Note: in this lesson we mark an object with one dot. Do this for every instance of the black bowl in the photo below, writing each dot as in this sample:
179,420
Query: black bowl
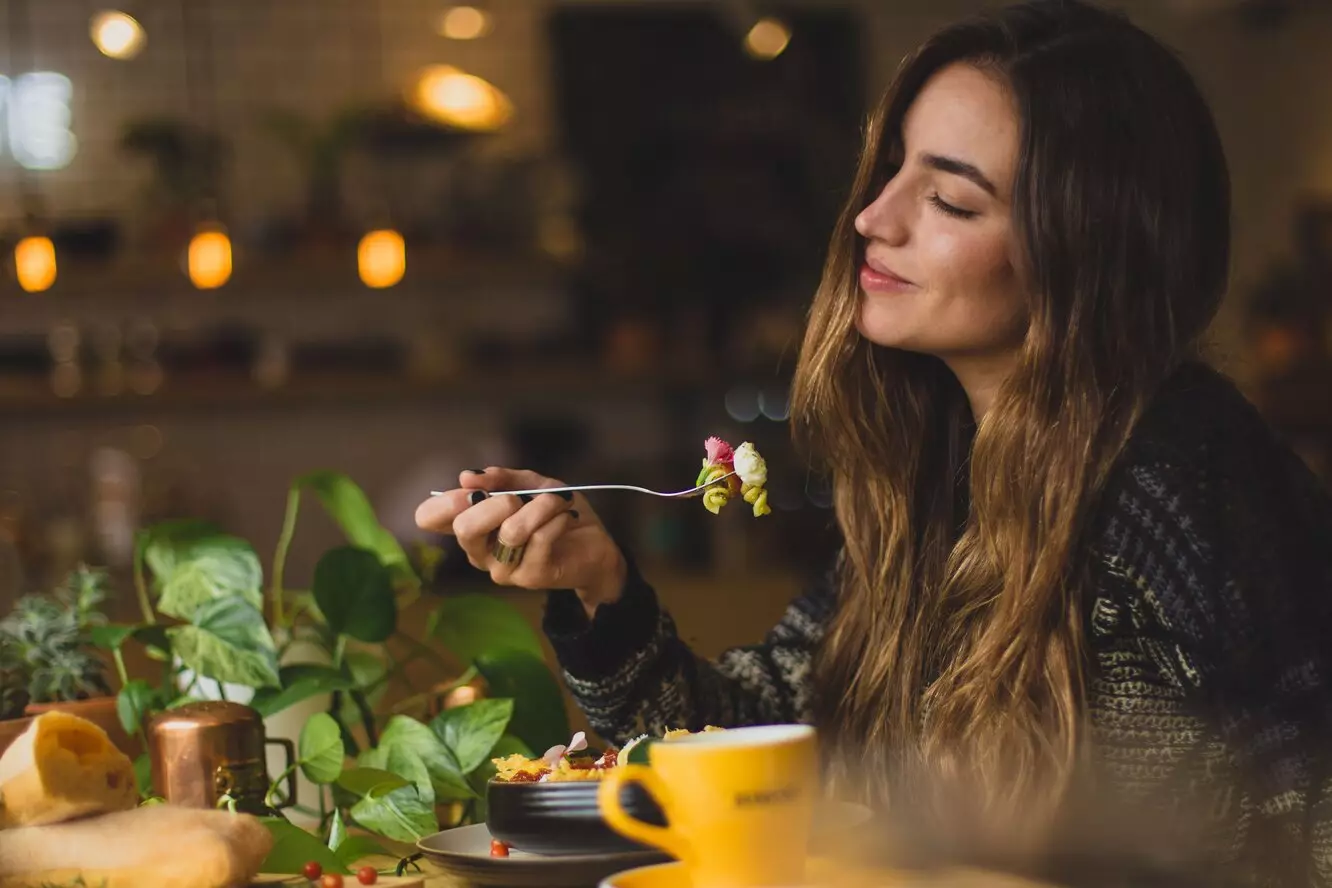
563,818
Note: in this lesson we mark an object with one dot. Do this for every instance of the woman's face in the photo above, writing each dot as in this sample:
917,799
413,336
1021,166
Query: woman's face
937,269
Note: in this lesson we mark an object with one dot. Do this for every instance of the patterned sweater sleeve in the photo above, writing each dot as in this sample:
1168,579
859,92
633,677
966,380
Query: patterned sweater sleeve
630,672
1226,559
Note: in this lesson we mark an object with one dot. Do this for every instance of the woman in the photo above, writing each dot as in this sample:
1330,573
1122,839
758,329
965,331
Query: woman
1075,561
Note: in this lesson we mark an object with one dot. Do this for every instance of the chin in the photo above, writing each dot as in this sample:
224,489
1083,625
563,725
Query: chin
884,332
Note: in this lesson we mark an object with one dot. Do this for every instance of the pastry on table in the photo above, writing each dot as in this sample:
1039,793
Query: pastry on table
156,846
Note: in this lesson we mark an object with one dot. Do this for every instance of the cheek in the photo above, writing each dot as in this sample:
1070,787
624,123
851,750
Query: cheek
973,272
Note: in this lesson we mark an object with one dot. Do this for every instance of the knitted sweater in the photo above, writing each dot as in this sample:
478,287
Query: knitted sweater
1209,623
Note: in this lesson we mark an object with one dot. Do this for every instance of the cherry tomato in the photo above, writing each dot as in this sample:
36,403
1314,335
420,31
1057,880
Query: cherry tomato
331,880
367,875
312,870
498,848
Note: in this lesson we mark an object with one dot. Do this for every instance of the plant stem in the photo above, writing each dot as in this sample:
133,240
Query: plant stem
280,555
141,587
367,717
120,667
339,650
348,739
222,692
323,809
276,784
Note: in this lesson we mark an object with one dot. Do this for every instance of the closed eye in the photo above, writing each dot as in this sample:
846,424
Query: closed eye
949,210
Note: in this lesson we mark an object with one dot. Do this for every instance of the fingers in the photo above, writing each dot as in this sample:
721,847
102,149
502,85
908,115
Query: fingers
500,478
519,527
437,514
539,568
476,526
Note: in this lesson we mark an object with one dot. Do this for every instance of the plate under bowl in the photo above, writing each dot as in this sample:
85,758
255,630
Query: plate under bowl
563,818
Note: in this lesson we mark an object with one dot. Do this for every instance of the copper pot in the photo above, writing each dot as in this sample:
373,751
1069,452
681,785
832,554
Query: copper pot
201,752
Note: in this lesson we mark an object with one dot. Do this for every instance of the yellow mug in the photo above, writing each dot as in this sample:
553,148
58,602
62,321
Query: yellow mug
738,803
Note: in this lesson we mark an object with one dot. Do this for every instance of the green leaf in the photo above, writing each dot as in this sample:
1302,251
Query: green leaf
403,761
367,671
232,570
229,642
143,775
111,636
355,594
321,751
293,847
639,754
471,731
364,780
474,624
233,567
337,832
445,774
135,700
400,815
300,681
539,717
164,543
358,847
350,508
154,638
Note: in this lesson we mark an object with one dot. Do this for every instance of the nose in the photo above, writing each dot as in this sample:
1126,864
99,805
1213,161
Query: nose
883,219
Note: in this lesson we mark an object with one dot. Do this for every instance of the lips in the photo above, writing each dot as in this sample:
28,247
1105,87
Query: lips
878,278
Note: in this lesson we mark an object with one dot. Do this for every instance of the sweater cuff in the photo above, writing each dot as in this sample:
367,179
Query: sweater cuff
599,648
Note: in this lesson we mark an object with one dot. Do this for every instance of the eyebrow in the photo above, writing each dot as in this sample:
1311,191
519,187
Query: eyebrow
959,168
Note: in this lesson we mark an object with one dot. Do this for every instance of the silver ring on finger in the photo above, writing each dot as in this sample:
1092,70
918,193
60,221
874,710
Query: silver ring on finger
505,554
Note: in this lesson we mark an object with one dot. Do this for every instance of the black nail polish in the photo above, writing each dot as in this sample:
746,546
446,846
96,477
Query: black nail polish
476,496
566,495
573,513
525,497
475,471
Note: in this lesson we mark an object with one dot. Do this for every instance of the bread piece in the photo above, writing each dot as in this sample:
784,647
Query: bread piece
158,846
60,768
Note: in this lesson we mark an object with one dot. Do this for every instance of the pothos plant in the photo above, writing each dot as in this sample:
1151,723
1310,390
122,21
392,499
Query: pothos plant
207,613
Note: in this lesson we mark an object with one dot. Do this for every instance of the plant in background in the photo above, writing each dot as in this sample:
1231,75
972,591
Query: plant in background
49,640
211,586
13,682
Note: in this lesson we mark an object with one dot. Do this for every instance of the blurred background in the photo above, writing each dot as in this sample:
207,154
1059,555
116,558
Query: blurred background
246,239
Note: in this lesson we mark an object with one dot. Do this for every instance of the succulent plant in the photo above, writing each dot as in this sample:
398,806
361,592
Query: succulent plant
14,675
46,638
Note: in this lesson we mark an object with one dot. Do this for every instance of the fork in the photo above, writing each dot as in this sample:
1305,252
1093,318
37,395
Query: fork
679,494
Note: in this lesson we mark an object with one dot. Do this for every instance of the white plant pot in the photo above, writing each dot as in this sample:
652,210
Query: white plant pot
286,724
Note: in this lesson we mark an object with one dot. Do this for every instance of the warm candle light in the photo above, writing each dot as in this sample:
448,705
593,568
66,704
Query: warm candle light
381,258
767,39
35,263
117,35
462,100
209,259
464,23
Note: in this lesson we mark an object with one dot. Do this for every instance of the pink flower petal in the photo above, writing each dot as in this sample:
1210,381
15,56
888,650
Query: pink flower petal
718,451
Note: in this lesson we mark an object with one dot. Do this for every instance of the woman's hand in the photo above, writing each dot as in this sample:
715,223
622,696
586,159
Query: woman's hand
550,541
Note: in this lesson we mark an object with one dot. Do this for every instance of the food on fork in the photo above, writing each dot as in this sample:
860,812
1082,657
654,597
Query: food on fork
749,480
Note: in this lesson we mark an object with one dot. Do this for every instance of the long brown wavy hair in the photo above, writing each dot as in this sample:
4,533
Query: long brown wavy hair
958,649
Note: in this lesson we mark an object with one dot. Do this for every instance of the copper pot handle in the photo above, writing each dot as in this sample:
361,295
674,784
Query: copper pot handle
289,769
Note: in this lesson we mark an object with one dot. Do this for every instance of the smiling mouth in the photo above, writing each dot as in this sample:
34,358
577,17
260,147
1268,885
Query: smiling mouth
876,278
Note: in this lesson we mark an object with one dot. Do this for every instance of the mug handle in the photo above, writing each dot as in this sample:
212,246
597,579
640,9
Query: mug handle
608,799
290,749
